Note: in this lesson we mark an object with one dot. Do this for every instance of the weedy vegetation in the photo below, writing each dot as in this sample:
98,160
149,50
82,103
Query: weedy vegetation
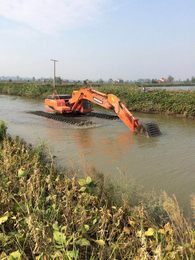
180,102
3,129
46,214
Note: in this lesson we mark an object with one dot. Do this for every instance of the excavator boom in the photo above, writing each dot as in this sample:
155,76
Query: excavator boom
110,101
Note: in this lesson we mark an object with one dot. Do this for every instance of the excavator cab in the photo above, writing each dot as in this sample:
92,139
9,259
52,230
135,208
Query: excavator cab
60,104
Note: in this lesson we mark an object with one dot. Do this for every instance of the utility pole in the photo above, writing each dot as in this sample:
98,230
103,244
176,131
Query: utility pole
54,77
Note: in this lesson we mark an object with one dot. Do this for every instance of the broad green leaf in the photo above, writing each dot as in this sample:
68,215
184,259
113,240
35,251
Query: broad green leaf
86,227
48,198
59,237
186,245
4,239
94,221
162,231
73,254
81,182
57,179
100,242
4,218
149,232
14,256
55,226
83,242
88,180
82,188
21,173
53,206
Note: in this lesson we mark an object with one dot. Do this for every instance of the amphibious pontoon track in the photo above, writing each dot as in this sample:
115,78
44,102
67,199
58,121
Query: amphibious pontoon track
147,129
104,116
67,119
76,119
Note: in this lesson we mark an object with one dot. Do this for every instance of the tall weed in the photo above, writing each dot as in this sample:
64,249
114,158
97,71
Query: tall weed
46,214
3,129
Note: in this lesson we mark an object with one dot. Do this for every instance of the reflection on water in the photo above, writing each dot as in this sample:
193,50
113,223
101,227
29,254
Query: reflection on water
108,146
175,87
165,162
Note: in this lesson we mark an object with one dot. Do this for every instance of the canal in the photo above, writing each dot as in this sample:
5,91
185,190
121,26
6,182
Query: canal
163,163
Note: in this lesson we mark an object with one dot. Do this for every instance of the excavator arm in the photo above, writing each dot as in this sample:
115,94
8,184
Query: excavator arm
109,101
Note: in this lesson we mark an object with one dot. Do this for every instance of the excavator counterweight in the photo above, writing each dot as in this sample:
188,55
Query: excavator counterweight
80,102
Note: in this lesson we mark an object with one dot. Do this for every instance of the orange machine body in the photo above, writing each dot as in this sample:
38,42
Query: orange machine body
60,104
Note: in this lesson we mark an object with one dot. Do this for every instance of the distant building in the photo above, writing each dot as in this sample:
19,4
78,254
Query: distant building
163,80
65,81
45,80
159,81
118,81
88,81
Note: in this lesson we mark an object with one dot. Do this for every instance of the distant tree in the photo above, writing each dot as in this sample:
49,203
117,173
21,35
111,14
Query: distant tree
50,80
170,78
193,80
58,80
33,79
148,81
110,80
10,80
153,81
101,81
187,80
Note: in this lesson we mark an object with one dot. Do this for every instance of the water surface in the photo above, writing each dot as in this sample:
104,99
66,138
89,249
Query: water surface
166,162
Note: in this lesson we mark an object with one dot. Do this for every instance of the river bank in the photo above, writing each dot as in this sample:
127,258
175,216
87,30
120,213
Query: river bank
45,213
170,102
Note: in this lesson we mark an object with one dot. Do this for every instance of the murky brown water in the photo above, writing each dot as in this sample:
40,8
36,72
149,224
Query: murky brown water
166,162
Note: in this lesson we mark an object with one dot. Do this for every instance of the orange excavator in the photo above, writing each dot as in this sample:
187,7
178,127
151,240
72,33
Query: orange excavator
80,102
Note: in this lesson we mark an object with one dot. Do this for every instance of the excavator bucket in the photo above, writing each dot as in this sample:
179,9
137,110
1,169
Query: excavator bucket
148,130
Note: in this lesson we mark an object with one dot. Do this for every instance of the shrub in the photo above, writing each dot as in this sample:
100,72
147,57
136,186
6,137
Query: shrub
3,129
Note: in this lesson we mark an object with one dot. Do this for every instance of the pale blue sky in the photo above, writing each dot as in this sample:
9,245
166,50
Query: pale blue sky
95,39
